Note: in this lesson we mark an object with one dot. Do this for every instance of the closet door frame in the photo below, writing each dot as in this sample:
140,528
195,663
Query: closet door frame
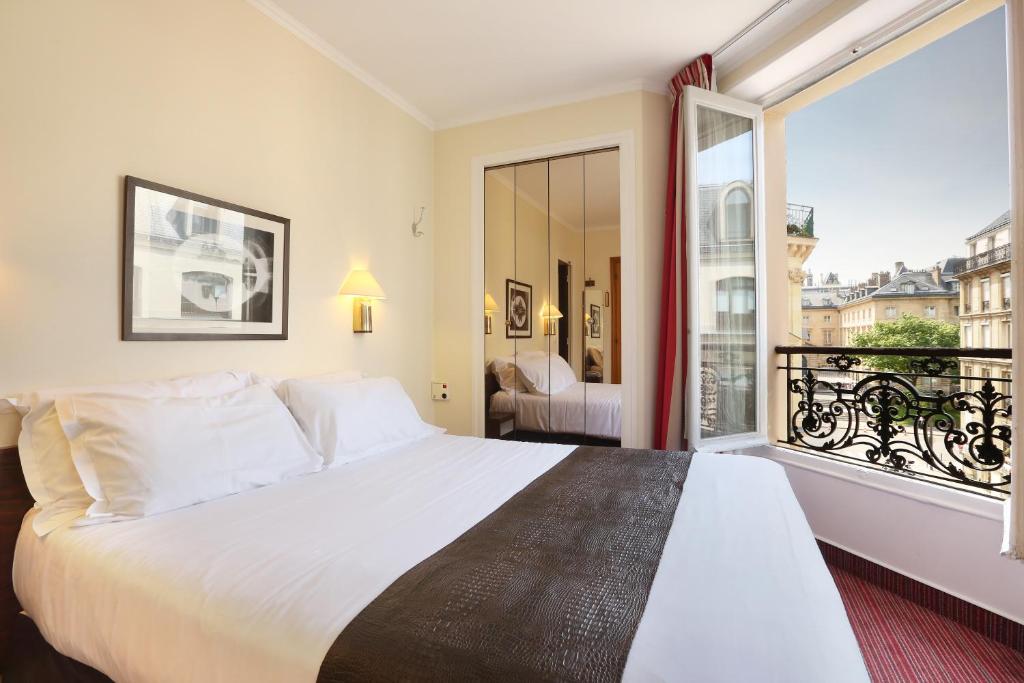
633,380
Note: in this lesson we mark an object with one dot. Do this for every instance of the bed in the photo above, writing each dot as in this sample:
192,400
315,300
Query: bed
261,585
590,409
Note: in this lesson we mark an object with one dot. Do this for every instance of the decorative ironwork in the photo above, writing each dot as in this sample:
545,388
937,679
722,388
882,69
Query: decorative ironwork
708,398
957,435
843,362
933,366
985,259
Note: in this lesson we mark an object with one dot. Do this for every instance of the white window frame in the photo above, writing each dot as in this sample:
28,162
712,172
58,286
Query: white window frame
692,98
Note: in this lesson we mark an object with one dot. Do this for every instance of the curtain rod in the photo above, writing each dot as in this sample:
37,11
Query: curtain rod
750,27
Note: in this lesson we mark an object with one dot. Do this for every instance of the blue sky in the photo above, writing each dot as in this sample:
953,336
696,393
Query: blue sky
907,162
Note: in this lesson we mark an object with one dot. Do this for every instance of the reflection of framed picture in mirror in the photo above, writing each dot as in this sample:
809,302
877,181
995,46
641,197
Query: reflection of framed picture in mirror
595,321
518,303
199,268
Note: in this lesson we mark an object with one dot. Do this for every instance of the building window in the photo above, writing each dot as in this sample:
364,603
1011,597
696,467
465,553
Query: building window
735,304
1007,334
827,336
956,311
737,215
1004,285
986,336
890,311
828,319
907,288
807,335
806,320
929,311
986,294
968,337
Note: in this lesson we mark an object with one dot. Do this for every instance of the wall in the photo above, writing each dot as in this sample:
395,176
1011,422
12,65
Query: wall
646,115
215,98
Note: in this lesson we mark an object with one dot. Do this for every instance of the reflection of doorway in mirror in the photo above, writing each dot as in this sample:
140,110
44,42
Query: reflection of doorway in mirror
564,297
615,268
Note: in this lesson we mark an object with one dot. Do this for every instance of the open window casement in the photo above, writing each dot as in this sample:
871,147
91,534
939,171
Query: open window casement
725,283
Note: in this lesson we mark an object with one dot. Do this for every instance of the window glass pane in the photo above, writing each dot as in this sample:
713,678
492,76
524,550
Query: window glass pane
727,273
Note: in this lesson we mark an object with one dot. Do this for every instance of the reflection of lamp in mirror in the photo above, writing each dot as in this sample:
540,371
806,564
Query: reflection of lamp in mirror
490,306
587,322
550,314
361,285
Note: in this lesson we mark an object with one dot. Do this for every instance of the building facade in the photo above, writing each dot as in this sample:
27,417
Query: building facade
930,294
985,304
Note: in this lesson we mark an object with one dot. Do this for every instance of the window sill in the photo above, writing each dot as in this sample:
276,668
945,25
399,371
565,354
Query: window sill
920,491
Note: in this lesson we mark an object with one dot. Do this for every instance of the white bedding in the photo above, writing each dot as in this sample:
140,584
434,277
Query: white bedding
256,586
584,408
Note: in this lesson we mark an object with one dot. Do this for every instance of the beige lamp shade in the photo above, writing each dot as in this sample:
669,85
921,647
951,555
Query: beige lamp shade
490,305
361,283
550,312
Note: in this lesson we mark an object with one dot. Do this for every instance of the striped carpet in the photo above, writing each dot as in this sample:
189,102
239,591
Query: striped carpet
905,642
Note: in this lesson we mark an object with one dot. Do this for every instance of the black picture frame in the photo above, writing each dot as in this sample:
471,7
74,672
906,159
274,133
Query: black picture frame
258,305
519,309
595,321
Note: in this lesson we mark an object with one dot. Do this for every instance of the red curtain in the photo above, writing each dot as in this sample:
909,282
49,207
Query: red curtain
672,379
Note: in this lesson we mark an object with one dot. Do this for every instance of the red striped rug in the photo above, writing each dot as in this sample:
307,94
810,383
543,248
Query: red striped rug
905,642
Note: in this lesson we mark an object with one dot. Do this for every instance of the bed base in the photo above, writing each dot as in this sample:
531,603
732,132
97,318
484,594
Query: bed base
15,502
554,437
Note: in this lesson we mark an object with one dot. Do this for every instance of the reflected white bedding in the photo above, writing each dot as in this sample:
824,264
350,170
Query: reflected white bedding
591,409
256,586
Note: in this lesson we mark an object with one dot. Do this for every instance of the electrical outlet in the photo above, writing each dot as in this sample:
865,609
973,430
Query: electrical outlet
439,391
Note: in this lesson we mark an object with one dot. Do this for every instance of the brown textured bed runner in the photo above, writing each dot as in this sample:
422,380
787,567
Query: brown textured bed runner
550,586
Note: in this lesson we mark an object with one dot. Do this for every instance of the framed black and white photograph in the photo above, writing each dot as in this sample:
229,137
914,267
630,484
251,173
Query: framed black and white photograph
518,303
595,321
200,268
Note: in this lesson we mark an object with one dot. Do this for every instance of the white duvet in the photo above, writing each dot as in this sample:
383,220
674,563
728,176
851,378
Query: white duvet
256,586
584,408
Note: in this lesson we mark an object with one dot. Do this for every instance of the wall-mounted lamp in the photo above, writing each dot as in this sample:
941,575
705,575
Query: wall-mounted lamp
551,314
490,306
361,285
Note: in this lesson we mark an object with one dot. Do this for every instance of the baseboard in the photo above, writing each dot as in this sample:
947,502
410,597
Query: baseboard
988,624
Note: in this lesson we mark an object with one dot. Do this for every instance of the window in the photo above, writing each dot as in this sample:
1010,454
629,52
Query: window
907,288
827,337
806,320
1007,334
986,294
929,311
890,311
956,311
807,335
723,232
1004,286
968,336
828,319
737,215
966,298
986,336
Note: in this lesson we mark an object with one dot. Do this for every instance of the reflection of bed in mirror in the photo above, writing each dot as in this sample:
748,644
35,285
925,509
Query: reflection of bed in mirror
584,413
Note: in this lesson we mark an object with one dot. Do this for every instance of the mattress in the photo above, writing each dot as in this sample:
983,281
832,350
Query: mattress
584,408
257,586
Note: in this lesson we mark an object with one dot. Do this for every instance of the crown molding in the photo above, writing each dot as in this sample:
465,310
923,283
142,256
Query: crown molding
311,38
635,85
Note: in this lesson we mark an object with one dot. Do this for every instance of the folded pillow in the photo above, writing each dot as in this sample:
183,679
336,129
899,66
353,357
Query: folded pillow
504,369
546,374
346,421
45,453
141,456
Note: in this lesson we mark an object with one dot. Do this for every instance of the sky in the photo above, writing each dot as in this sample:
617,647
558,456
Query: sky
904,164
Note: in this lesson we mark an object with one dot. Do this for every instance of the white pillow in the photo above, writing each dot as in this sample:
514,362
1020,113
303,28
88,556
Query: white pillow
346,421
504,368
141,456
546,374
45,454
275,381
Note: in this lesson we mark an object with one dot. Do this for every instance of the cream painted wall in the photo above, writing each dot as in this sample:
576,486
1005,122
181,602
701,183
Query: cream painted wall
216,98
646,115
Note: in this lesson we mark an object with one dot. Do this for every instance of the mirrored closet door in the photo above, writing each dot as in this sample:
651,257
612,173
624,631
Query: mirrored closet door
552,300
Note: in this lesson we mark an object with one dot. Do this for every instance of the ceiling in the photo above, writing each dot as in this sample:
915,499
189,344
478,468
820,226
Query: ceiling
450,62
564,184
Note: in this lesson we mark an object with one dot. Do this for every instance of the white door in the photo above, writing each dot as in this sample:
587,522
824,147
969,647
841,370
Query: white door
727,378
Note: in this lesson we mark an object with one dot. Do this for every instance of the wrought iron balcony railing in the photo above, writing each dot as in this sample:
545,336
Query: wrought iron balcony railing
929,417
799,220
985,259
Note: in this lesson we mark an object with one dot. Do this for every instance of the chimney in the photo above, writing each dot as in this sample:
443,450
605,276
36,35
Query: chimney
937,275
900,267
883,278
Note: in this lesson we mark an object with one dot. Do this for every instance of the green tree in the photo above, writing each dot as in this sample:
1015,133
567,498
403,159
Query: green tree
908,331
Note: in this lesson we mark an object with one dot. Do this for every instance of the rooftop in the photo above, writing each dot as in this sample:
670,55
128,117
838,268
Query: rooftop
998,223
